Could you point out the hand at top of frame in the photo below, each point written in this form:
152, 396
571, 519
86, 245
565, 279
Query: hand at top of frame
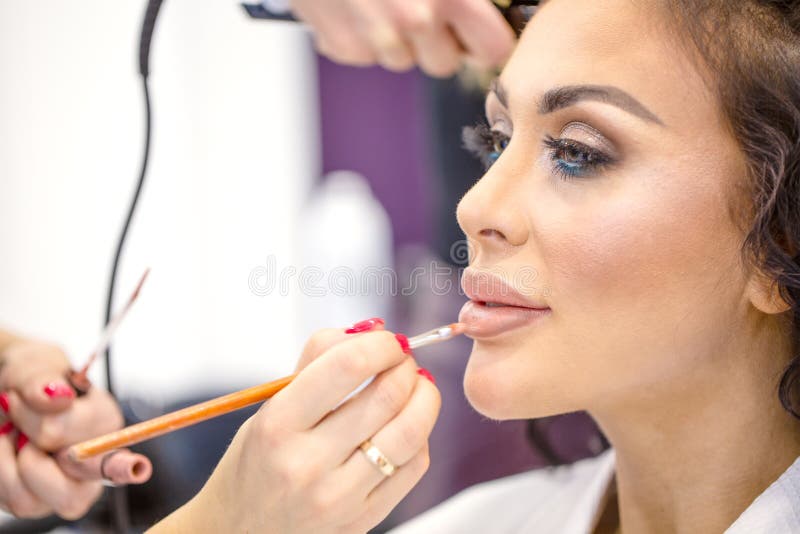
436, 35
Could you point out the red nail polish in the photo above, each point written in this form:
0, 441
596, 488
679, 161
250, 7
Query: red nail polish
365, 326
4, 401
58, 389
403, 340
6, 428
22, 440
427, 374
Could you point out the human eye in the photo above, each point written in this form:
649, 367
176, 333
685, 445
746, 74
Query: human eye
485, 143
570, 158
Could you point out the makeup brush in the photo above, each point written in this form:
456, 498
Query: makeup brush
221, 405
78, 379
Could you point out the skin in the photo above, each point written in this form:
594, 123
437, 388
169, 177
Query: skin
436, 35
31, 482
657, 328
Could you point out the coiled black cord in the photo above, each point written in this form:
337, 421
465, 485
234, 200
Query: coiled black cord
118, 496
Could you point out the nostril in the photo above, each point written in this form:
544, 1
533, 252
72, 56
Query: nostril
490, 232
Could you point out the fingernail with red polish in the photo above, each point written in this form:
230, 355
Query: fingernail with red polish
365, 326
58, 390
22, 440
403, 340
6, 428
4, 402
427, 374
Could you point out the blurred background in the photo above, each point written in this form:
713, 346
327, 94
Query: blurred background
285, 193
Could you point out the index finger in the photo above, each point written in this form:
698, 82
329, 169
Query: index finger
47, 393
324, 339
483, 31
330, 378
41, 380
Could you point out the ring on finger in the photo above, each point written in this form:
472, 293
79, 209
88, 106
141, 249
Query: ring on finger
377, 458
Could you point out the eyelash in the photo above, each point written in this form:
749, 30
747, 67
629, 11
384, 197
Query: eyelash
570, 159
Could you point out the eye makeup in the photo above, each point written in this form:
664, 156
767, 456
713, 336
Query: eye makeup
579, 151
484, 143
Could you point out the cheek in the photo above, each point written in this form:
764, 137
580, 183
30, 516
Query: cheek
612, 252
667, 236
644, 277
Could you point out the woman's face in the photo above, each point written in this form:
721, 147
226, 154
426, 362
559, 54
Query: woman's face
611, 205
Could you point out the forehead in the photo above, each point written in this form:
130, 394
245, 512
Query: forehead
630, 44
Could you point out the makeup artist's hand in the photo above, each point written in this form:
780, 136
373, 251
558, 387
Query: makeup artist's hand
436, 35
295, 467
41, 414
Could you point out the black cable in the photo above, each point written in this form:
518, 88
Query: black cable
148, 26
124, 234
119, 502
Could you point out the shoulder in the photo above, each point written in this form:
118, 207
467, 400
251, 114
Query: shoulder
775, 510
538, 497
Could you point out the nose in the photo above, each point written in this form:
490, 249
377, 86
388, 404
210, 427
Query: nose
491, 216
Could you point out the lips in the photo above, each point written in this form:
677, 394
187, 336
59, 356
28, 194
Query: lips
495, 306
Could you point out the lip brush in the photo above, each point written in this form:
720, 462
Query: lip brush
78, 379
221, 405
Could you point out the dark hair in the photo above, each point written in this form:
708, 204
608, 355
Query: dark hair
751, 49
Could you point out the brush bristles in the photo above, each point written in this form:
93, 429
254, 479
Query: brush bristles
456, 329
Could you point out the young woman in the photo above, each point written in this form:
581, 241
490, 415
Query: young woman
645, 161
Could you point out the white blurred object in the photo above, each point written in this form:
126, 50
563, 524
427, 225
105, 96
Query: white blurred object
235, 148
346, 271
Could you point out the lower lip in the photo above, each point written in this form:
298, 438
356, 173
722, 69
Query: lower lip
489, 321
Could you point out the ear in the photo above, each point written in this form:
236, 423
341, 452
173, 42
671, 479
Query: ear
763, 292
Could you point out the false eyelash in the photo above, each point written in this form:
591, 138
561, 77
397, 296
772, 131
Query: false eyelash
563, 150
480, 141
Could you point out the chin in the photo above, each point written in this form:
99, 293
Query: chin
505, 388
487, 399
491, 386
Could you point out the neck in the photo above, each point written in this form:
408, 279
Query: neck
692, 457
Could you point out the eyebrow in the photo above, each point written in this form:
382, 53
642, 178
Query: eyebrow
569, 95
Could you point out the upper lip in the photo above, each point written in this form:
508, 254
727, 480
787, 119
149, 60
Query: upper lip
485, 286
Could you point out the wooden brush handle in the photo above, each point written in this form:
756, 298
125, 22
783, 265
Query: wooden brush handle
177, 419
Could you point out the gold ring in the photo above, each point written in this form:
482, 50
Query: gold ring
377, 458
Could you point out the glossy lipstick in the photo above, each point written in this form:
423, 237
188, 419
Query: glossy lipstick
495, 306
